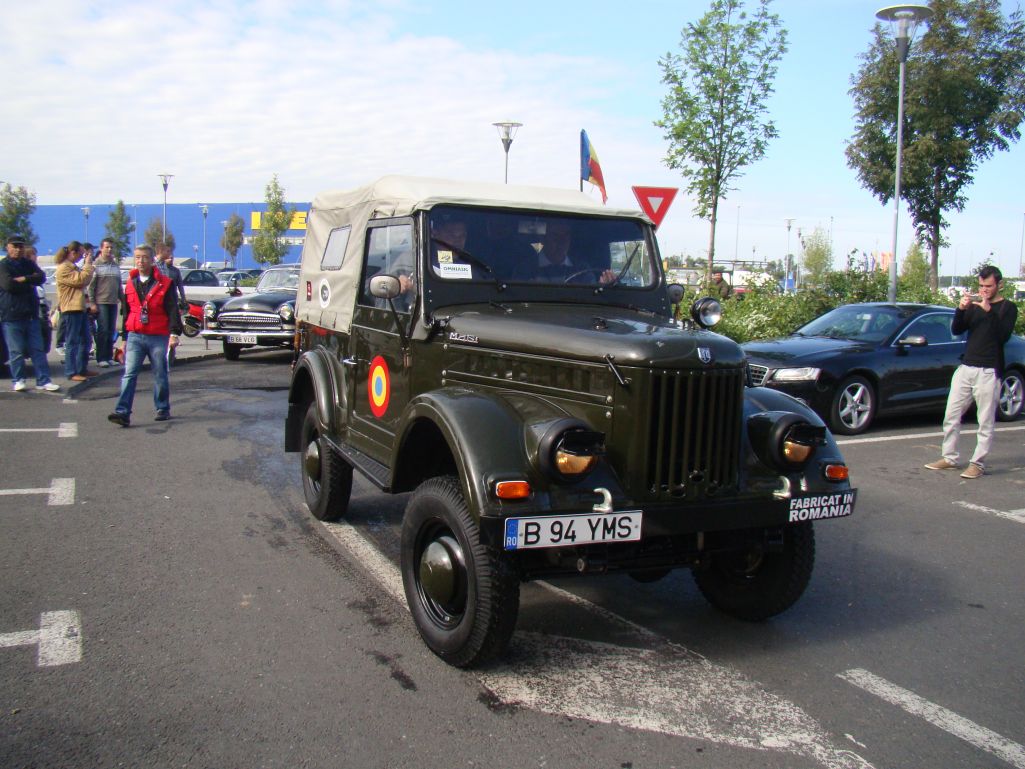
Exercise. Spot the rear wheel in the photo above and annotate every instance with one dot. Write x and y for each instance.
(463, 596)
(755, 585)
(854, 406)
(327, 478)
(1012, 397)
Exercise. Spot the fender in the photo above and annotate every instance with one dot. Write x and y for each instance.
(488, 437)
(315, 370)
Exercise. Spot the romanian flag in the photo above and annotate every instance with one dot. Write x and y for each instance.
(590, 169)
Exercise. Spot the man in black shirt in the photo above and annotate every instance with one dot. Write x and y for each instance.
(989, 323)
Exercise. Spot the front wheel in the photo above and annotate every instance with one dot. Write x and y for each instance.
(755, 585)
(464, 597)
(232, 351)
(1012, 397)
(854, 406)
(327, 478)
(190, 330)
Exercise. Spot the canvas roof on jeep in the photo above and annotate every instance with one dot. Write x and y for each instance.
(332, 260)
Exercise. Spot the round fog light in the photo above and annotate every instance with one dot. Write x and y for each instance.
(796, 452)
(573, 464)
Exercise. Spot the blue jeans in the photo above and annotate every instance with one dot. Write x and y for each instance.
(138, 347)
(77, 341)
(105, 329)
(24, 339)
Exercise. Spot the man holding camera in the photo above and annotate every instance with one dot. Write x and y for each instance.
(989, 320)
(150, 324)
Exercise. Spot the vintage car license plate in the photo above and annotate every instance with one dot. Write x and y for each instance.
(241, 338)
(569, 530)
(815, 507)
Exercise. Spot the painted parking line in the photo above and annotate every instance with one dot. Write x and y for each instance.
(64, 430)
(919, 436)
(61, 491)
(947, 720)
(1018, 516)
(664, 688)
(58, 639)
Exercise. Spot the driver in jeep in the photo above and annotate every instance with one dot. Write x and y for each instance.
(556, 265)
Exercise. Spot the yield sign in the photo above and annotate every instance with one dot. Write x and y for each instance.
(655, 201)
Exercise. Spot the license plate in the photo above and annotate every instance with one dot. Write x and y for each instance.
(569, 530)
(241, 338)
(815, 507)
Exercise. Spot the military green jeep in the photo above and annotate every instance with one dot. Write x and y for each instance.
(509, 355)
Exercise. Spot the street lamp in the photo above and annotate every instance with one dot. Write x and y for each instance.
(904, 19)
(507, 132)
(165, 180)
(1021, 250)
(205, 209)
(85, 212)
(736, 242)
(786, 274)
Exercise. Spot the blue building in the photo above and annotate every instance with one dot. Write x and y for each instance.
(195, 237)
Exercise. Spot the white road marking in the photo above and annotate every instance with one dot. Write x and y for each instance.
(666, 689)
(1012, 515)
(61, 492)
(947, 720)
(59, 638)
(64, 430)
(918, 436)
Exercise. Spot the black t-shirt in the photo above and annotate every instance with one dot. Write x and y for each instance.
(988, 332)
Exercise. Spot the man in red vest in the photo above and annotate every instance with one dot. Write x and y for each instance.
(150, 324)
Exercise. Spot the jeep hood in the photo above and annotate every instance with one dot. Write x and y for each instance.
(589, 332)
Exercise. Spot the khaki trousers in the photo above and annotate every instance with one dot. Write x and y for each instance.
(968, 384)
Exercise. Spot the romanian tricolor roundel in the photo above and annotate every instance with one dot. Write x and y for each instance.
(379, 386)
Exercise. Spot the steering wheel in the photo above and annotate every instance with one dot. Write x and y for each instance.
(592, 270)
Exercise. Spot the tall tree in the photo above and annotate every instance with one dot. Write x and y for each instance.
(154, 235)
(233, 236)
(964, 100)
(818, 257)
(714, 111)
(268, 247)
(117, 228)
(17, 205)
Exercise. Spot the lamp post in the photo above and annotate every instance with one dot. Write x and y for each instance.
(786, 273)
(1021, 250)
(165, 179)
(904, 19)
(205, 209)
(736, 241)
(507, 132)
(85, 213)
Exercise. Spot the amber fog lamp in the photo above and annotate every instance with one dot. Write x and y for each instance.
(512, 489)
(569, 463)
(800, 441)
(797, 453)
(836, 472)
(572, 451)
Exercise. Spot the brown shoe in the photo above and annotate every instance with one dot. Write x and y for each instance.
(973, 471)
(77, 378)
(941, 464)
(90, 373)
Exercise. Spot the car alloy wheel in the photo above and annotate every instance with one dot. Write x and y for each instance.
(853, 406)
(1012, 396)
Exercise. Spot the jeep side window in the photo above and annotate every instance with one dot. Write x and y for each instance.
(334, 251)
(390, 252)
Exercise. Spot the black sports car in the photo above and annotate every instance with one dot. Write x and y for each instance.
(860, 361)
(266, 318)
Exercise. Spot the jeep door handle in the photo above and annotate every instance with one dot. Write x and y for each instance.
(350, 362)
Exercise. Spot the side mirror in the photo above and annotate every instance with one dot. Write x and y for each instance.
(913, 341)
(385, 286)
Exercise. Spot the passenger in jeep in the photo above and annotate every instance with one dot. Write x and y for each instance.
(555, 264)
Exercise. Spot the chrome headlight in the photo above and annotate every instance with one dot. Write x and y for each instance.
(801, 374)
(209, 311)
(706, 312)
(285, 312)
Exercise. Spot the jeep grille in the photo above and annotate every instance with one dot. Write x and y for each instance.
(249, 321)
(757, 374)
(694, 431)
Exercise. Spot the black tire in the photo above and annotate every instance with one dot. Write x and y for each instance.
(190, 331)
(853, 407)
(232, 351)
(1012, 396)
(467, 613)
(327, 478)
(753, 585)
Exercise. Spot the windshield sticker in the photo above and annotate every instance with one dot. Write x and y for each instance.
(324, 291)
(455, 271)
(379, 386)
(444, 257)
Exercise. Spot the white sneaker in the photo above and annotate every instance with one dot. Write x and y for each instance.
(103, 364)
(20, 386)
(50, 387)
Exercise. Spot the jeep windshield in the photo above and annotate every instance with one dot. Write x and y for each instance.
(506, 247)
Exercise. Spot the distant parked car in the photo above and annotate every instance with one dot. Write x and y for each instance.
(199, 278)
(860, 361)
(266, 318)
(225, 278)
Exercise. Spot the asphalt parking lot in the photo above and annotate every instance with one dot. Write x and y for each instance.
(169, 600)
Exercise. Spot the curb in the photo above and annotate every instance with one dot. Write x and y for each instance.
(79, 387)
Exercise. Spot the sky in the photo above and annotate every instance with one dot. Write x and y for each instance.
(103, 96)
